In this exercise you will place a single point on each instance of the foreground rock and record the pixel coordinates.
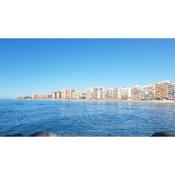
(164, 134)
(38, 134)
(45, 134)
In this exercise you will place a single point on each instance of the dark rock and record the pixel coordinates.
(44, 134)
(38, 134)
(15, 135)
(164, 134)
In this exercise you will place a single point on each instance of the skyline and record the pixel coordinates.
(164, 90)
(29, 66)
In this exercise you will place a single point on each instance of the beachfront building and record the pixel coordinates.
(69, 94)
(115, 93)
(90, 94)
(56, 95)
(111, 94)
(171, 91)
(34, 96)
(42, 96)
(62, 95)
(137, 93)
(162, 90)
(124, 93)
(99, 93)
(77, 94)
(149, 92)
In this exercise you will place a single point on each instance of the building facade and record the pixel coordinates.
(137, 93)
(111, 94)
(171, 91)
(124, 93)
(99, 93)
(38, 96)
(159, 91)
(69, 94)
(149, 92)
(90, 94)
(162, 90)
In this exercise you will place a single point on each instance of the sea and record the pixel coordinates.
(85, 118)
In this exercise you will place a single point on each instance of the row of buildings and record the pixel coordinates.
(159, 91)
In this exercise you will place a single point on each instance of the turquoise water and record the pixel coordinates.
(75, 118)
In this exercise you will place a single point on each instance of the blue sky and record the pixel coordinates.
(30, 66)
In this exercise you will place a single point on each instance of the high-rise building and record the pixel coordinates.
(54, 95)
(70, 94)
(77, 94)
(162, 90)
(99, 93)
(171, 91)
(149, 92)
(109, 94)
(115, 93)
(58, 94)
(63, 96)
(124, 93)
(137, 93)
(90, 94)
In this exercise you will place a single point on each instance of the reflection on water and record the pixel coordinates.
(85, 118)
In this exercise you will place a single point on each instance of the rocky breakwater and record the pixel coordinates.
(164, 134)
(37, 134)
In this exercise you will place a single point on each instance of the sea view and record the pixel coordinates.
(85, 118)
(87, 87)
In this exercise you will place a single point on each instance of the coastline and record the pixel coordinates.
(107, 100)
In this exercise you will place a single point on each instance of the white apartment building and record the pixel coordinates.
(124, 93)
(171, 91)
(149, 92)
(99, 93)
(90, 94)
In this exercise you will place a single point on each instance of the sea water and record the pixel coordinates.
(85, 118)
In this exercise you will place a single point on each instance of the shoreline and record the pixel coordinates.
(103, 101)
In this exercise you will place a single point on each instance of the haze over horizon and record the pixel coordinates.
(29, 66)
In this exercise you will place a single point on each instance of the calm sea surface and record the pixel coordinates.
(72, 118)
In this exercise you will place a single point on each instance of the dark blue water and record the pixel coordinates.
(69, 118)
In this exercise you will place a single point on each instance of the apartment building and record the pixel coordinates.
(111, 93)
(69, 94)
(42, 96)
(149, 92)
(99, 93)
(90, 94)
(137, 93)
(162, 90)
(171, 91)
(124, 93)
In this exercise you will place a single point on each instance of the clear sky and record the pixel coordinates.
(42, 66)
